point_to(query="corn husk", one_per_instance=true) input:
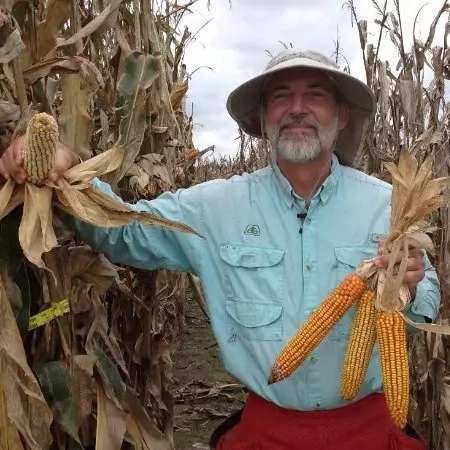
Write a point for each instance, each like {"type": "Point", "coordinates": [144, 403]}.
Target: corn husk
{"type": "Point", "coordinates": [74, 194]}
{"type": "Point", "coordinates": [415, 196]}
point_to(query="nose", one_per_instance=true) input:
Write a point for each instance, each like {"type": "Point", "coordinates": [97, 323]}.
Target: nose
{"type": "Point", "coordinates": [298, 105]}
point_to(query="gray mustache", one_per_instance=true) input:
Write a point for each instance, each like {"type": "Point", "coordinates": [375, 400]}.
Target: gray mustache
{"type": "Point", "coordinates": [298, 120]}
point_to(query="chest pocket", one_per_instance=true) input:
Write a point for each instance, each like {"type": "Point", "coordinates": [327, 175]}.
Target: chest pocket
{"type": "Point", "coordinates": [348, 257]}
{"type": "Point", "coordinates": [253, 290]}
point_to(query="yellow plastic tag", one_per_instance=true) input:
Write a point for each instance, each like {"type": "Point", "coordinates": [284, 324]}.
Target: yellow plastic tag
{"type": "Point", "coordinates": [44, 317]}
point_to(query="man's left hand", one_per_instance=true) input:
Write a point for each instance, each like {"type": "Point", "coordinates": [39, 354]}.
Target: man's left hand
{"type": "Point", "coordinates": [415, 267]}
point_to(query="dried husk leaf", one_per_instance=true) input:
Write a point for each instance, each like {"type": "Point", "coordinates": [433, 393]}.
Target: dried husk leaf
{"type": "Point", "coordinates": [36, 234]}
{"type": "Point", "coordinates": [6, 193]}
{"type": "Point", "coordinates": [414, 196]}
{"type": "Point", "coordinates": [95, 207]}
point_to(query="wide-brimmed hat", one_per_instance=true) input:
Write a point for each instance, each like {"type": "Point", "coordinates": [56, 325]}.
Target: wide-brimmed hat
{"type": "Point", "coordinates": [245, 102]}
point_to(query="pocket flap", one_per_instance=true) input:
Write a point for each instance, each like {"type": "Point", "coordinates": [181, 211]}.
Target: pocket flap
{"type": "Point", "coordinates": [243, 256]}
{"type": "Point", "coordinates": [251, 314]}
{"type": "Point", "coordinates": [355, 255]}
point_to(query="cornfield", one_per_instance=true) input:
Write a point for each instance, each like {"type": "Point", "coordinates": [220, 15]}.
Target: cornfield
{"type": "Point", "coordinates": [112, 72]}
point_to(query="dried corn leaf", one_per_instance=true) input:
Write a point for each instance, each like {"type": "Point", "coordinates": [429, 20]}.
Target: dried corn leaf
{"type": "Point", "coordinates": [8, 4]}
{"type": "Point", "coordinates": [111, 423]}
{"type": "Point", "coordinates": [100, 328]}
{"type": "Point", "coordinates": [83, 367]}
{"type": "Point", "coordinates": [9, 112]}
{"type": "Point", "coordinates": [26, 406]}
{"type": "Point", "coordinates": [409, 101]}
{"type": "Point", "coordinates": [76, 123]}
{"type": "Point", "coordinates": [11, 48]}
{"type": "Point", "coordinates": [143, 431]}
{"type": "Point", "coordinates": [384, 87]}
{"type": "Point", "coordinates": [177, 95]}
{"type": "Point", "coordinates": [140, 72]}
{"type": "Point", "coordinates": [62, 65]}
{"type": "Point", "coordinates": [94, 269]}
{"type": "Point", "coordinates": [113, 384]}
{"type": "Point", "coordinates": [56, 13]}
{"type": "Point", "coordinates": [9, 436]}
{"type": "Point", "coordinates": [62, 394]}
{"type": "Point", "coordinates": [106, 18]}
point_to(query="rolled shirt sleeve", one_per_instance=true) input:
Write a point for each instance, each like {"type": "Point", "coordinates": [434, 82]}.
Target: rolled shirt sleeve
{"type": "Point", "coordinates": [150, 246]}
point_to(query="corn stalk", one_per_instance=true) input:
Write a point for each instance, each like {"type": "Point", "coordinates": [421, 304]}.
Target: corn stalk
{"type": "Point", "coordinates": [111, 72]}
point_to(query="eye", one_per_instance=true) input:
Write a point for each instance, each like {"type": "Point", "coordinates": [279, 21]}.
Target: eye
{"type": "Point", "coordinates": [279, 95]}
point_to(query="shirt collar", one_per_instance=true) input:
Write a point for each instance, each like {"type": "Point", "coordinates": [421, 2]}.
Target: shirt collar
{"type": "Point", "coordinates": [324, 192]}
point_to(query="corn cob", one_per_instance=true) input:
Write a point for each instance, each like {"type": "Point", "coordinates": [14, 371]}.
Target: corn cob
{"type": "Point", "coordinates": [40, 147]}
{"type": "Point", "coordinates": [391, 335]}
{"type": "Point", "coordinates": [318, 324]}
{"type": "Point", "coordinates": [360, 345]}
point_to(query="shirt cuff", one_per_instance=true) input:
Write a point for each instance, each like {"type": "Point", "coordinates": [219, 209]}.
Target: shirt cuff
{"type": "Point", "coordinates": [424, 307]}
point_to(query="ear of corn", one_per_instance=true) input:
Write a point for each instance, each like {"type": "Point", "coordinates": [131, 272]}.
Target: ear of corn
{"type": "Point", "coordinates": [391, 335]}
{"type": "Point", "coordinates": [319, 323]}
{"type": "Point", "coordinates": [40, 147]}
{"type": "Point", "coordinates": [360, 345]}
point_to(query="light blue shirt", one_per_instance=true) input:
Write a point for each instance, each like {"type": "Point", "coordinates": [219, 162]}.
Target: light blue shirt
{"type": "Point", "coordinates": [261, 276]}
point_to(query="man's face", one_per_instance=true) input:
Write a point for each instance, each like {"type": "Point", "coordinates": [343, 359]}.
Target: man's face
{"type": "Point", "coordinates": [303, 117]}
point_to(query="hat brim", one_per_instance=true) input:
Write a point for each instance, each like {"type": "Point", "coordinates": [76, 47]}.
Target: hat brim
{"type": "Point", "coordinates": [244, 104]}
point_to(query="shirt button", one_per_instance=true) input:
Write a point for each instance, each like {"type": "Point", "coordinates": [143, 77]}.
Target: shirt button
{"type": "Point", "coordinates": [308, 267]}
{"type": "Point", "coordinates": [314, 360]}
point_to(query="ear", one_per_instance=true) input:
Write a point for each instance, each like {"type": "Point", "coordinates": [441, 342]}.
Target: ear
{"type": "Point", "coordinates": [344, 115]}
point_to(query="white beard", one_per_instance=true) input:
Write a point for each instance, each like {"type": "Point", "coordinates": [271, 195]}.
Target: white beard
{"type": "Point", "coordinates": [298, 147]}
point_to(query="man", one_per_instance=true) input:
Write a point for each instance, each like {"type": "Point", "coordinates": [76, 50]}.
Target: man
{"type": "Point", "coordinates": [276, 242]}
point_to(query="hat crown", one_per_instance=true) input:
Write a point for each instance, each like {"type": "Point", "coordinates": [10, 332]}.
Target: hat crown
{"type": "Point", "coordinates": [289, 54]}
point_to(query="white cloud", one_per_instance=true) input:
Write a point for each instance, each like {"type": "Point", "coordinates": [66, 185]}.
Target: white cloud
{"type": "Point", "coordinates": [236, 41]}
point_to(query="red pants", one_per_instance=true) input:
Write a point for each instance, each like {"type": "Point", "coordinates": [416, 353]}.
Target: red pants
{"type": "Point", "coordinates": [364, 425]}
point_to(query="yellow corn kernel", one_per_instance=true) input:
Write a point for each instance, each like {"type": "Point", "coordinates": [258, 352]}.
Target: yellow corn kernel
{"type": "Point", "coordinates": [316, 327]}
{"type": "Point", "coordinates": [360, 345]}
{"type": "Point", "coordinates": [391, 335]}
{"type": "Point", "coordinates": [40, 147]}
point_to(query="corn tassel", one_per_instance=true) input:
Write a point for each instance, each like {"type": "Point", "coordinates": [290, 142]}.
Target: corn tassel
{"type": "Point", "coordinates": [317, 326]}
{"type": "Point", "coordinates": [391, 335]}
{"type": "Point", "coordinates": [40, 147]}
{"type": "Point", "coordinates": [360, 345]}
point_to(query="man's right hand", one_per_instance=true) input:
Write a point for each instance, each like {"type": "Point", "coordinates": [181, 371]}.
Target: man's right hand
{"type": "Point", "coordinates": [11, 162]}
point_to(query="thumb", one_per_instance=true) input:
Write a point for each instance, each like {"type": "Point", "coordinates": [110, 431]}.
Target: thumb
{"type": "Point", "coordinates": [17, 149]}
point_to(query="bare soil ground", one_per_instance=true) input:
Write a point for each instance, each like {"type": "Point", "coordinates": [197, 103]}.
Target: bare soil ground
{"type": "Point", "coordinates": [204, 393]}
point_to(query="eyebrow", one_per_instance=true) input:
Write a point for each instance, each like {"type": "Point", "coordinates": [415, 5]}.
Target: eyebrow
{"type": "Point", "coordinates": [312, 85]}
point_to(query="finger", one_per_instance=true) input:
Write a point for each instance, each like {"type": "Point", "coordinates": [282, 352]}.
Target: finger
{"type": "Point", "coordinates": [53, 175]}
{"type": "Point", "coordinates": [3, 172]}
{"type": "Point", "coordinates": [10, 165]}
{"type": "Point", "coordinates": [414, 277]}
{"type": "Point", "coordinates": [384, 259]}
{"type": "Point", "coordinates": [17, 151]}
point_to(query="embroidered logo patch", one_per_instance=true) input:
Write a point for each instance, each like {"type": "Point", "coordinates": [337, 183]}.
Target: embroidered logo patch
{"type": "Point", "coordinates": [252, 230]}
{"type": "Point", "coordinates": [377, 237]}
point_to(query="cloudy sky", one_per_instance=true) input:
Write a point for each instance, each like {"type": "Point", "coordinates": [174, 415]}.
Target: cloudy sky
{"type": "Point", "coordinates": [234, 46]}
